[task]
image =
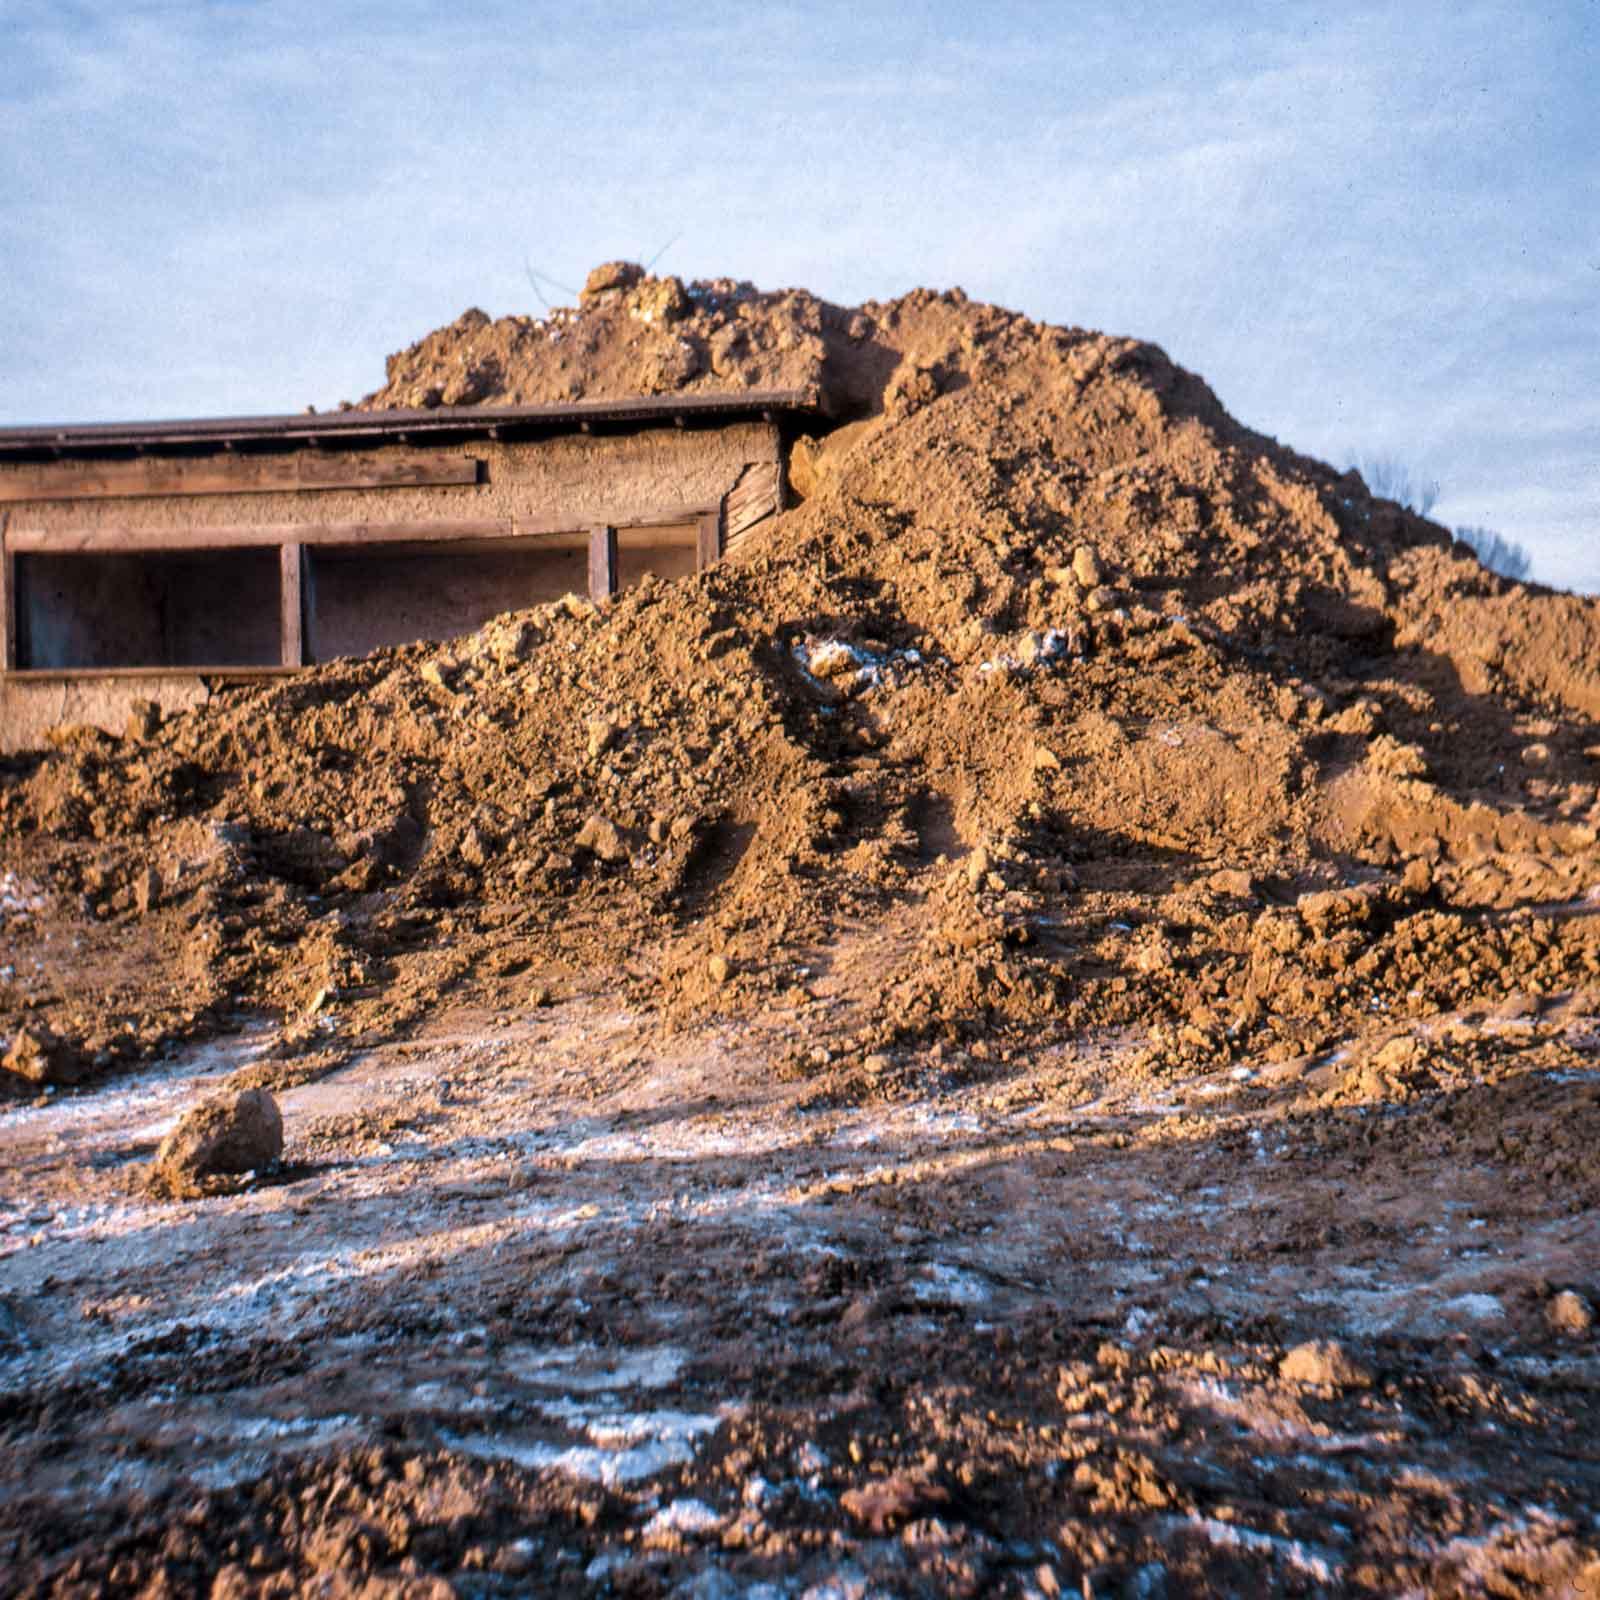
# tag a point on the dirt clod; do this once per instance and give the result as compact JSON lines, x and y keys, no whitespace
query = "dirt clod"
{"x":224,"y":1137}
{"x":38,"y":1056}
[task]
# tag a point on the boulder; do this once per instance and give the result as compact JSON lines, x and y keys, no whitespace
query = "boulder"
{"x":224,"y":1137}
{"x":610,"y":275}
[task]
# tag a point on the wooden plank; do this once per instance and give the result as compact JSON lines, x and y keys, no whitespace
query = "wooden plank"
{"x":708,"y":541}
{"x":109,"y":480}
{"x":753,"y":498}
{"x":8,"y":602}
{"x":242,"y":536}
{"x":602,"y":563}
{"x":291,"y":561}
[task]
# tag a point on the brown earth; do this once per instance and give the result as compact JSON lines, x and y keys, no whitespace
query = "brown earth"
{"x":1071,"y":758}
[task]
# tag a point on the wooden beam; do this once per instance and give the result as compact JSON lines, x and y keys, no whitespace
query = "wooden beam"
{"x":8,"y":602}
{"x":57,"y":674}
{"x":602,"y":563}
{"x":292,"y":627}
{"x":709,"y":539}
{"x":110,"y":480}
{"x":130,"y":537}
{"x":245,"y":535}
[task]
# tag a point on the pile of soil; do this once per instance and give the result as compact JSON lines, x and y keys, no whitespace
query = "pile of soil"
{"x":1086,"y":908}
{"x":1121,"y":713}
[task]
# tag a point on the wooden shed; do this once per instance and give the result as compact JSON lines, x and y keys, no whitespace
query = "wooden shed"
{"x":151,"y":561}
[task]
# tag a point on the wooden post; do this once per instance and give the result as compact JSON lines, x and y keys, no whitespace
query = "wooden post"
{"x":602,"y":563}
{"x":709,"y":542}
{"x":292,"y":627}
{"x":8,"y":602}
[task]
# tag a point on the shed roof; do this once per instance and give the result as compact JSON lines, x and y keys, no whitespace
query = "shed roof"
{"x":355,"y":429}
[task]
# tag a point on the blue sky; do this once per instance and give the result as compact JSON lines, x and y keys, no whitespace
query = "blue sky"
{"x":1375,"y":230}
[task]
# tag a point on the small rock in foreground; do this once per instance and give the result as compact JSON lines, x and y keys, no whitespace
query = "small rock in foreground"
{"x":220,"y":1140}
{"x":602,"y":838}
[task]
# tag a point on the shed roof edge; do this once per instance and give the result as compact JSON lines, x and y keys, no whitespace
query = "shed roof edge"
{"x":354,"y":427}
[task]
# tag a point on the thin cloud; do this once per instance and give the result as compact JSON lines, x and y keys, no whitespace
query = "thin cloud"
{"x":1368,"y":227}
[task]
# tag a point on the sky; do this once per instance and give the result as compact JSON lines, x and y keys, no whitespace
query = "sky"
{"x":1375,"y":230}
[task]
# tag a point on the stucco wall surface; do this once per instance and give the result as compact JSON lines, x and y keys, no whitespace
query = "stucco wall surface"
{"x":30,"y":707}
{"x":589,"y":477}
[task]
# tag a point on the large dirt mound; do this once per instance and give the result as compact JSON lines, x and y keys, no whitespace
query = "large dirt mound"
{"x":1094,"y":706}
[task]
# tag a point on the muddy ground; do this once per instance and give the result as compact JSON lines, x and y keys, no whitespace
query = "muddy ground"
{"x":1036,"y":1030}
{"x":539,"y":1304}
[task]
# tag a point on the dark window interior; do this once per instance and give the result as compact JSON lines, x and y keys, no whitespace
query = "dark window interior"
{"x":190,"y":608}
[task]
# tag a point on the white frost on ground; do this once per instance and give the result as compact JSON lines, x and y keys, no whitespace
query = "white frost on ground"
{"x":625,"y":1447}
{"x":1315,"y":1564}
{"x":946,"y":1285}
{"x":561,"y":1367}
{"x":691,"y":1517}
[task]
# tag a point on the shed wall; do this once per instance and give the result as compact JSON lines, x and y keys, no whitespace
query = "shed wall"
{"x":107,"y":609}
{"x":587,"y":477}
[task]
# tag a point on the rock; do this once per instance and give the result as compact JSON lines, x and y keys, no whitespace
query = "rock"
{"x":437,"y":673}
{"x":1045,"y":759}
{"x":1325,"y":910}
{"x":1536,"y":755}
{"x":510,"y":645}
{"x":37,"y":1055}
{"x":977,"y":866}
{"x":223,"y":1137}
{"x":660,"y":300}
{"x":601,"y":837}
{"x":720,"y":969}
{"x":1569,"y":1313}
{"x":1233,"y":881}
{"x":602,"y":735}
{"x":1324,"y":1363}
{"x":476,"y":848}
{"x":805,"y":467}
{"x":1103,"y":598}
{"x":1086,"y":566}
{"x":610,"y":275}
{"x":146,"y":890}
{"x":831,"y":660}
